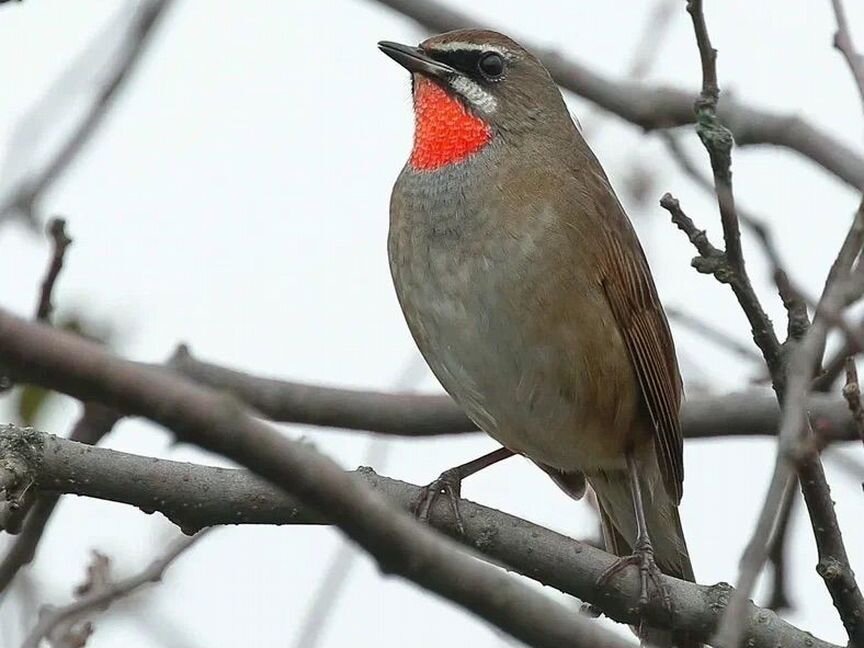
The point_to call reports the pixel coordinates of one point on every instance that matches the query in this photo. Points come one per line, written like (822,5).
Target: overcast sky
(237,200)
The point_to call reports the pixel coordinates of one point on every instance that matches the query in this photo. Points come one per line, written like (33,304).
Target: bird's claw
(643,558)
(449,484)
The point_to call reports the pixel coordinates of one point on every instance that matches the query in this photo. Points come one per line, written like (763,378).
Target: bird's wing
(632,296)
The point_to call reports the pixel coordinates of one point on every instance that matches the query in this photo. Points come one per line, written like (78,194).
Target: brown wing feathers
(632,296)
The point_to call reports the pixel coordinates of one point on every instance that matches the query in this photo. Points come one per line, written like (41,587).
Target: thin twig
(24,199)
(795,432)
(843,42)
(728,266)
(103,597)
(798,318)
(835,366)
(777,551)
(718,141)
(59,242)
(852,394)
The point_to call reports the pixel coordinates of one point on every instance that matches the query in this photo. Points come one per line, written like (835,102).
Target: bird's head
(471,86)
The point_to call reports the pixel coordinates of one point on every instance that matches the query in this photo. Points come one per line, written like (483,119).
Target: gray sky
(237,200)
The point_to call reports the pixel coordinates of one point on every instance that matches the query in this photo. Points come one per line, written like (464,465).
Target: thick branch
(95,422)
(753,413)
(194,497)
(658,107)
(401,414)
(217,422)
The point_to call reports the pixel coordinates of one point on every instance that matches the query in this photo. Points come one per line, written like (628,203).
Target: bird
(526,290)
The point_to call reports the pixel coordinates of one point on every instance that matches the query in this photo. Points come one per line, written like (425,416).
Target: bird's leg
(449,483)
(643,550)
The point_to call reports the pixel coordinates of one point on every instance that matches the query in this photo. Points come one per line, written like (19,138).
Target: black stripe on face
(463,60)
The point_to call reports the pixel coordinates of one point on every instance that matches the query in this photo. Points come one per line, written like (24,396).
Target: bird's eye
(491,66)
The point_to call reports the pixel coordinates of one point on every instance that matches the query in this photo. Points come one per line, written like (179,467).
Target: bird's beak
(415,59)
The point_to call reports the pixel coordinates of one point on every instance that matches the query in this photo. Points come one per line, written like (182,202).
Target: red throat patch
(444,131)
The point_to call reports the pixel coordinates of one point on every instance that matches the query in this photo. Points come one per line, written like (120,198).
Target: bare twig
(796,308)
(690,168)
(217,422)
(60,241)
(728,266)
(794,434)
(651,108)
(194,497)
(103,596)
(715,262)
(843,42)
(24,199)
(852,394)
(835,366)
(718,141)
(779,598)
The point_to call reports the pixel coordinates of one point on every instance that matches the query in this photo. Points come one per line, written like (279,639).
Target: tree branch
(24,200)
(795,431)
(852,394)
(95,422)
(651,108)
(843,43)
(716,262)
(400,414)
(753,413)
(217,422)
(816,491)
(102,597)
(60,241)
(718,141)
(195,497)
(797,450)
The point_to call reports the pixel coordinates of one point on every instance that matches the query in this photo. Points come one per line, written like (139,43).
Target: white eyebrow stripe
(474,47)
(474,93)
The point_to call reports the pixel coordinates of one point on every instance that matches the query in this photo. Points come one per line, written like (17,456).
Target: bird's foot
(649,573)
(448,484)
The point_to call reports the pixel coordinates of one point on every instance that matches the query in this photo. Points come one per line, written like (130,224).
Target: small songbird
(529,295)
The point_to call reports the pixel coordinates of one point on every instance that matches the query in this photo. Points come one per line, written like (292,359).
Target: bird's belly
(474,335)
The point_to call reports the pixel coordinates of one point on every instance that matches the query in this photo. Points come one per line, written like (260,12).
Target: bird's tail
(618,519)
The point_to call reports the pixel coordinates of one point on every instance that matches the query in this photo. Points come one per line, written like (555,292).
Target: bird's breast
(499,327)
